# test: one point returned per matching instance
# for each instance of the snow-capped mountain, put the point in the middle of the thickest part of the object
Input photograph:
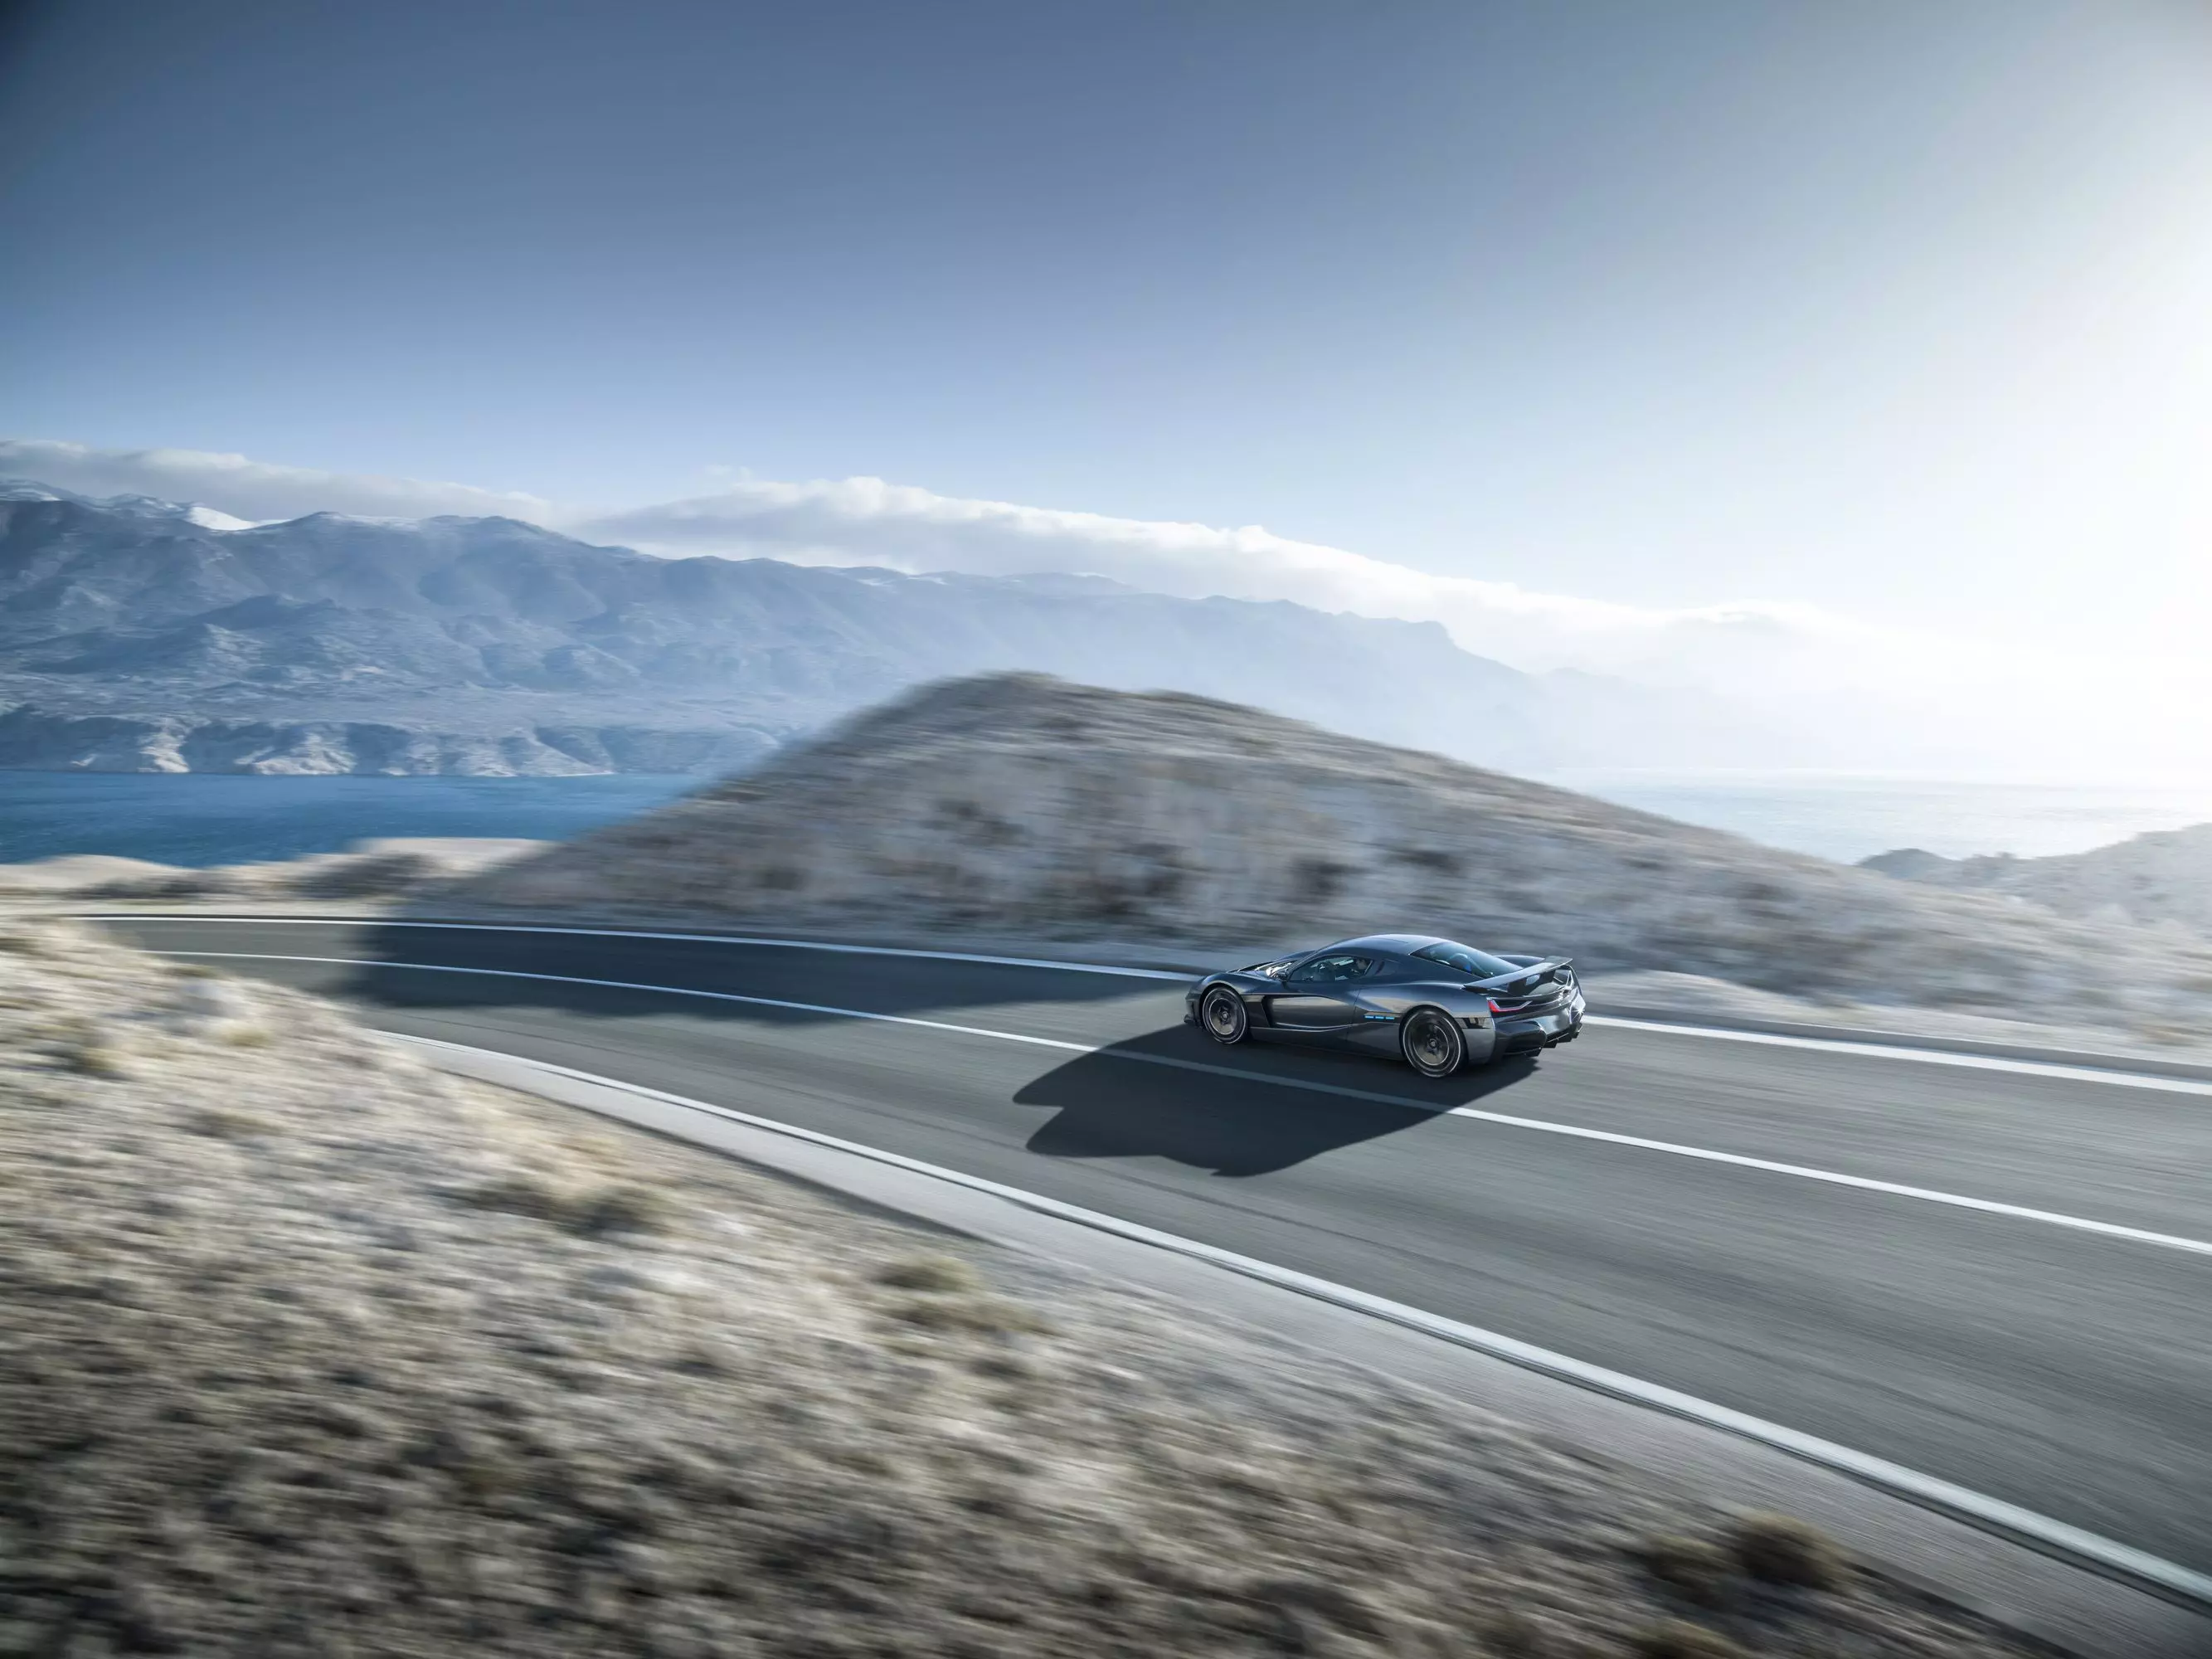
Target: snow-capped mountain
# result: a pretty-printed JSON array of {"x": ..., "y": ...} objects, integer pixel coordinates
[{"x": 138, "y": 633}]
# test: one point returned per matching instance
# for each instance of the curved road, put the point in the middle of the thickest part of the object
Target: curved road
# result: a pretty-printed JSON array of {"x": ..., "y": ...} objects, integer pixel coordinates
[{"x": 2057, "y": 1367}]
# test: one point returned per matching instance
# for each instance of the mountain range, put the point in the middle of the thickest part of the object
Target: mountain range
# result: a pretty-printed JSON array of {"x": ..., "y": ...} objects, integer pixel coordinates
[{"x": 142, "y": 634}]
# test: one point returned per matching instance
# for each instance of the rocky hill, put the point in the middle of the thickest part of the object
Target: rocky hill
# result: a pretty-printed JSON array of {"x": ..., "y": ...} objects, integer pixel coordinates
[
  {"x": 2161, "y": 879},
  {"x": 145, "y": 636},
  {"x": 1017, "y": 806}
]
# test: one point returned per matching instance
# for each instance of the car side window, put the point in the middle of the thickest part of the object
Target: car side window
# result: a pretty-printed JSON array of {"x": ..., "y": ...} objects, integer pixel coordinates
[{"x": 1332, "y": 970}]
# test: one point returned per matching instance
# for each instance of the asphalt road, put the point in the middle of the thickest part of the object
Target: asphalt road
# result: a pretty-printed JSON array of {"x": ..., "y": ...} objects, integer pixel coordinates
[{"x": 2064, "y": 1370}]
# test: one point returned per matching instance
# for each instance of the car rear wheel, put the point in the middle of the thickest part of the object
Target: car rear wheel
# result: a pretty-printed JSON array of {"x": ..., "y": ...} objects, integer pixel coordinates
[
  {"x": 1221, "y": 1011},
  {"x": 1432, "y": 1043}
]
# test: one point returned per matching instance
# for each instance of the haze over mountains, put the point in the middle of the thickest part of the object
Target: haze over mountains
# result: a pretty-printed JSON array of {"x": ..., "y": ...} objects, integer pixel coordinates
[
  {"x": 142, "y": 634},
  {"x": 2163, "y": 878}
]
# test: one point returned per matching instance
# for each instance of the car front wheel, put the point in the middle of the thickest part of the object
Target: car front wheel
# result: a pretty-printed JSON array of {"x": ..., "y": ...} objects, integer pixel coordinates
[
  {"x": 1431, "y": 1042},
  {"x": 1222, "y": 1012}
]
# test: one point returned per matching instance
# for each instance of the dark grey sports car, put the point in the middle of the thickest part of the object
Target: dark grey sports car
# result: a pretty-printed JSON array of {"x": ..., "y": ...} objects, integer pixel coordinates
[{"x": 1436, "y": 1004}]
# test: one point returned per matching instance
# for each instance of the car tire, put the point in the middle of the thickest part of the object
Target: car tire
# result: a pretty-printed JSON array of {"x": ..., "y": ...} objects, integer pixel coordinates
[
  {"x": 1430, "y": 1040},
  {"x": 1221, "y": 1015}
]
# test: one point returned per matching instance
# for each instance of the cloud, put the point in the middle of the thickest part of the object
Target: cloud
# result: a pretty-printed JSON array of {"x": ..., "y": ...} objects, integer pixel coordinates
[
  {"x": 868, "y": 520},
  {"x": 249, "y": 489}
]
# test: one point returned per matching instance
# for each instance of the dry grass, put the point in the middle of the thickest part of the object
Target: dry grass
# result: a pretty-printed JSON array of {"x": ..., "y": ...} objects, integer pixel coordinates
[
  {"x": 88, "y": 1046},
  {"x": 99, "y": 1059},
  {"x": 226, "y": 1122},
  {"x": 1512, "y": 1635},
  {"x": 987, "y": 1315},
  {"x": 587, "y": 1210},
  {"x": 1677, "y": 1638},
  {"x": 937, "y": 1275},
  {"x": 1780, "y": 1549},
  {"x": 1695, "y": 1568}
]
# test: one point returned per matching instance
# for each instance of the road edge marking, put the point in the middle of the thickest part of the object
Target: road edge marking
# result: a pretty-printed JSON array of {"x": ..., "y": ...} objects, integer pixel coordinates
[
  {"x": 1876, "y": 1050},
  {"x": 2167, "y": 1579}
]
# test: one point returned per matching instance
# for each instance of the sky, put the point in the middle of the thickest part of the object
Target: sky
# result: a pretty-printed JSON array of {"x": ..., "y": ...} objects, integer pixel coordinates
[{"x": 1862, "y": 346}]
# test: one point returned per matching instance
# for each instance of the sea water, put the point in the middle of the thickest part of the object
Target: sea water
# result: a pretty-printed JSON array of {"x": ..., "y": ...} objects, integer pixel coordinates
[
  {"x": 205, "y": 818},
  {"x": 202, "y": 818},
  {"x": 1850, "y": 816}
]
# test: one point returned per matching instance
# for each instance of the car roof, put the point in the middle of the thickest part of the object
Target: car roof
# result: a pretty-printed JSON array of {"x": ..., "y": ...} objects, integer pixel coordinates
[{"x": 1402, "y": 944}]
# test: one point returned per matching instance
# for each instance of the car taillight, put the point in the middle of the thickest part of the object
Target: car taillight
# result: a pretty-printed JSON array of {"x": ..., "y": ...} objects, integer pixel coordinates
[{"x": 1497, "y": 1007}]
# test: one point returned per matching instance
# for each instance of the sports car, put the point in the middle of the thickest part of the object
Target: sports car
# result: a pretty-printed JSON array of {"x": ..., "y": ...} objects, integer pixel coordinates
[{"x": 1435, "y": 1003}]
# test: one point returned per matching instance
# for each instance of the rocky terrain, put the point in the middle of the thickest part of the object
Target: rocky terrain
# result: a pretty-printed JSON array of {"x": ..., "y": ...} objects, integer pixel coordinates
[
  {"x": 373, "y": 870},
  {"x": 146, "y": 635},
  {"x": 310, "y": 1350},
  {"x": 1017, "y": 806},
  {"x": 468, "y": 736},
  {"x": 2162, "y": 879}
]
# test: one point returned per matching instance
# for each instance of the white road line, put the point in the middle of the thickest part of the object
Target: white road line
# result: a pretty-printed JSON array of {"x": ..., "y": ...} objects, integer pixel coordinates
[
  {"x": 1834, "y": 1178},
  {"x": 1870, "y": 1048},
  {"x": 1540, "y": 1126},
  {"x": 2178, "y": 1085},
  {"x": 2069, "y": 1542}
]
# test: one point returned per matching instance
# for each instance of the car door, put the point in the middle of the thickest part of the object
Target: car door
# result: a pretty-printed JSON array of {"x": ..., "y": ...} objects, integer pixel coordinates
[{"x": 1316, "y": 994}]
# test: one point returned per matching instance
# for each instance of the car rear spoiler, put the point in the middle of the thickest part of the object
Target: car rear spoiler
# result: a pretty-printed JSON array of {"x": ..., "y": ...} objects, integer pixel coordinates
[{"x": 1527, "y": 978}]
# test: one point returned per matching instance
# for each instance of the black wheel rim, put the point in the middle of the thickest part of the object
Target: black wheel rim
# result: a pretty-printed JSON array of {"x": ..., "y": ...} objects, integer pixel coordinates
[
  {"x": 1224, "y": 1016},
  {"x": 1431, "y": 1041}
]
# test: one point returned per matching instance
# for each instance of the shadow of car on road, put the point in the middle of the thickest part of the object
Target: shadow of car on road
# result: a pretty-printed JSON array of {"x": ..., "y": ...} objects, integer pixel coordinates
[{"x": 1171, "y": 1094}]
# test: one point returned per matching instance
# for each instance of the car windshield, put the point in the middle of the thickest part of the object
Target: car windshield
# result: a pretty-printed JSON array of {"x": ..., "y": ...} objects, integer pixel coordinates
[{"x": 1461, "y": 959}]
